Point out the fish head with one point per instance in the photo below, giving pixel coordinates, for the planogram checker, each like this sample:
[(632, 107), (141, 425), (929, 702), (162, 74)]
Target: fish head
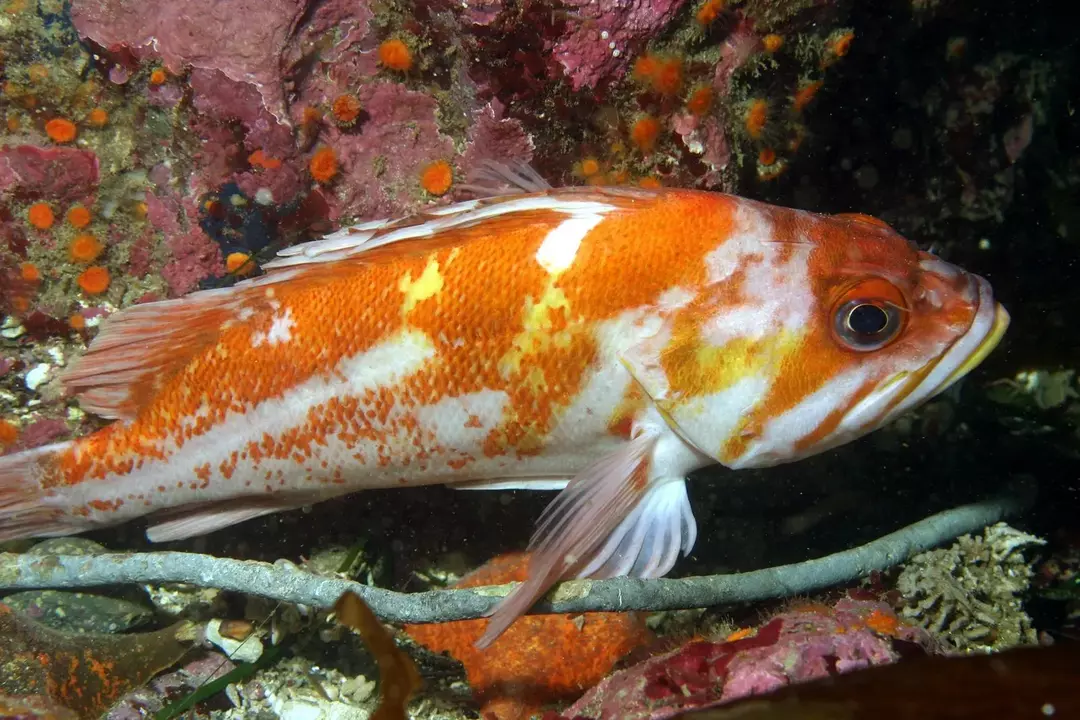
[(811, 332)]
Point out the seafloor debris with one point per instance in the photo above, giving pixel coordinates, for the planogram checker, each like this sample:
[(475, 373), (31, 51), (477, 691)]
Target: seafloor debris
[(76, 612), (805, 642), (84, 673), (242, 646), (1036, 389), (540, 659), (173, 689), (971, 594), (33, 707)]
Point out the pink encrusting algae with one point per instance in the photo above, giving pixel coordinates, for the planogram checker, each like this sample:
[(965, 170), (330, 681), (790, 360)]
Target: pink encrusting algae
[(632, 337), (800, 644)]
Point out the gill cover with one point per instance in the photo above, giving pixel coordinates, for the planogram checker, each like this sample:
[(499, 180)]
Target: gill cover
[(703, 389)]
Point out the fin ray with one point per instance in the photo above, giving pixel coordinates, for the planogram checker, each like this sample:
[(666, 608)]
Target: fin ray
[(575, 525), (659, 527), (524, 483), (202, 519), (140, 347), (445, 226)]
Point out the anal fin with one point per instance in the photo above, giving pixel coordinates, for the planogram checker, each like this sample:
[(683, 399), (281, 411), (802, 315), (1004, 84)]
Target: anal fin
[(200, 519), (523, 483)]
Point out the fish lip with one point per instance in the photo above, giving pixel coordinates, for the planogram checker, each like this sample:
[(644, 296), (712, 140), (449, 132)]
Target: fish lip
[(1000, 324), (967, 352)]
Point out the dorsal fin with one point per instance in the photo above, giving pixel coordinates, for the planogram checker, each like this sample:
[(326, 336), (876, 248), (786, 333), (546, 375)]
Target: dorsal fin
[(864, 219), (138, 348), (437, 227), (490, 179)]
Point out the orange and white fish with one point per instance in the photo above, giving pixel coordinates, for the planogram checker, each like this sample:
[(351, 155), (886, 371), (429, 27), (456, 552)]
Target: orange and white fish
[(608, 341)]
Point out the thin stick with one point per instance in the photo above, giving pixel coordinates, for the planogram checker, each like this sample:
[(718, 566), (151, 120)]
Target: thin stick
[(286, 582)]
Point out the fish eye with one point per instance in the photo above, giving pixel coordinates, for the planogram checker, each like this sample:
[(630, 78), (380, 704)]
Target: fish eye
[(867, 324)]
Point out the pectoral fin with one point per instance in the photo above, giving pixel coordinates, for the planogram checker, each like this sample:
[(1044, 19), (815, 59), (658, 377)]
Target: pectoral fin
[(626, 514), (575, 525)]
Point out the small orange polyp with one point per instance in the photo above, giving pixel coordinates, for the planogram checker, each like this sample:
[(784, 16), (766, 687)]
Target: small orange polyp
[(346, 109), (395, 54), (756, 116), (700, 101), (772, 42), (709, 11), (84, 248), (29, 272), (323, 165), (78, 217), (94, 280), (98, 117), (437, 177), (644, 132), (61, 130), (41, 216)]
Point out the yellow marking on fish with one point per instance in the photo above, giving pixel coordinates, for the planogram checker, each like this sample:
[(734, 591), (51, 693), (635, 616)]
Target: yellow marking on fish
[(428, 285), (536, 380), (544, 327)]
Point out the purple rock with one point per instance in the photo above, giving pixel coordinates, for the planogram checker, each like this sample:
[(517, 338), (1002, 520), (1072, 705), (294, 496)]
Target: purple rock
[(801, 644), (603, 37), (243, 39), (64, 174)]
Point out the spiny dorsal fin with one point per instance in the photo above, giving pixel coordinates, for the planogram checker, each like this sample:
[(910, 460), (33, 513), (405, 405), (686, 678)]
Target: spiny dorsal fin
[(491, 179), (439, 226)]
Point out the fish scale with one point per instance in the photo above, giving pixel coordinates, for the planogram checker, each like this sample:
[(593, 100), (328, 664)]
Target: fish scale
[(607, 341)]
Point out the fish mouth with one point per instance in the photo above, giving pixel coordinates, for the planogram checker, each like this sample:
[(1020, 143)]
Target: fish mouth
[(987, 327), (910, 389), (999, 325)]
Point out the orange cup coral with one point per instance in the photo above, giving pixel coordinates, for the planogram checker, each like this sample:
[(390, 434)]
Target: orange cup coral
[(437, 177), (61, 130), (94, 280)]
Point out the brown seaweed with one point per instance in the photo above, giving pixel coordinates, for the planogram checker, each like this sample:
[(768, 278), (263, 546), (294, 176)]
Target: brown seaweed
[(398, 676)]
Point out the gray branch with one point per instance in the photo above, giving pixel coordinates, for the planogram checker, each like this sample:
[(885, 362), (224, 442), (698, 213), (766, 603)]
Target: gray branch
[(286, 582)]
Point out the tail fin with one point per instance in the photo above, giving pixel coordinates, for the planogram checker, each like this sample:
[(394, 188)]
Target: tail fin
[(25, 507)]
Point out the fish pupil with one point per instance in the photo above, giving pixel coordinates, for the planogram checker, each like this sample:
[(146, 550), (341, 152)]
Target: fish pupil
[(867, 319)]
